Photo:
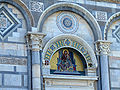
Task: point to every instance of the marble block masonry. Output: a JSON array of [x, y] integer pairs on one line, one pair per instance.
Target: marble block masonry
[[59, 44]]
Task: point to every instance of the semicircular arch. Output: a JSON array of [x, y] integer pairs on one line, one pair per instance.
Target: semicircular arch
[[23, 9], [70, 41], [73, 8], [110, 21]]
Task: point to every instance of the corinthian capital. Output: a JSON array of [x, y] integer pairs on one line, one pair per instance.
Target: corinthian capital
[[103, 47], [34, 40]]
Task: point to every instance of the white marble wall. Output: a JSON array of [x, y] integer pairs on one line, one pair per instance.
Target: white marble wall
[[51, 29], [69, 83], [114, 59], [13, 52]]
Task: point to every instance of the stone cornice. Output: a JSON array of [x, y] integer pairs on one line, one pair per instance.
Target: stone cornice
[[103, 47], [71, 77], [34, 41]]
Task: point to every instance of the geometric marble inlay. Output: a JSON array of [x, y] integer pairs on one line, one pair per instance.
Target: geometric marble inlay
[[67, 22], [101, 16], [36, 6], [3, 21], [13, 61], [116, 33], [8, 22]]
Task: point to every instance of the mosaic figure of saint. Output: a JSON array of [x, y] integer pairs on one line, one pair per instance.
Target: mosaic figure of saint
[[65, 61]]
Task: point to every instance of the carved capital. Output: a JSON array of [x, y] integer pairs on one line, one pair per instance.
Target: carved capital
[[34, 41], [103, 47]]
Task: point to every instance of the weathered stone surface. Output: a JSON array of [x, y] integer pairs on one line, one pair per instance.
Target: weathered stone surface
[[36, 82], [12, 80], [13, 89], [25, 80], [84, 31], [0, 79], [21, 68], [115, 79], [35, 68], [114, 62], [55, 83], [51, 29], [46, 70], [13, 61], [5, 67], [112, 1]]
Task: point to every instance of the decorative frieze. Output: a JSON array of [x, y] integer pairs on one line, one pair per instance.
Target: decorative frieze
[[34, 41], [13, 61], [103, 47]]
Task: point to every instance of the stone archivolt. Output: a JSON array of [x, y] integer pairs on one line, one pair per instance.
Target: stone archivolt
[[68, 43]]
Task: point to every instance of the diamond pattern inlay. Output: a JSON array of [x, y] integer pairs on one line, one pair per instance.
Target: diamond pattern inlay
[[8, 22], [3, 22], [116, 33]]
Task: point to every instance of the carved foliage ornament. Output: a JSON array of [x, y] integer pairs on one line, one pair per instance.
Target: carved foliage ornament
[[103, 47], [34, 41]]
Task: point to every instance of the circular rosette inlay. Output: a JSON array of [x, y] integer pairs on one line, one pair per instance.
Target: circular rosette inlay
[[67, 22]]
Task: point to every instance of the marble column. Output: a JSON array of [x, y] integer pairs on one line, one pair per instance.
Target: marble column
[[103, 48], [35, 43]]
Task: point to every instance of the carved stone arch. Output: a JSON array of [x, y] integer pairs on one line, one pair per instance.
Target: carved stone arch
[[23, 9], [66, 6], [81, 46], [115, 17]]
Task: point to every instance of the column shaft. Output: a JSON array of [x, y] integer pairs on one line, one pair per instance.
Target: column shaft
[[36, 70], [103, 49], [104, 72], [35, 44]]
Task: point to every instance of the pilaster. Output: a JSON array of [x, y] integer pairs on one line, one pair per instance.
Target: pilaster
[[103, 50], [34, 41]]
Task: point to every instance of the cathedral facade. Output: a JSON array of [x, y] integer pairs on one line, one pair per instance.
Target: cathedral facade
[[59, 45]]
